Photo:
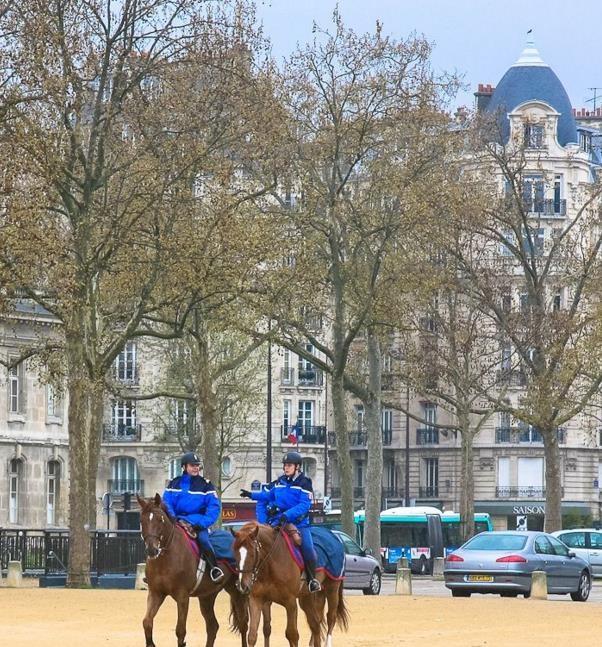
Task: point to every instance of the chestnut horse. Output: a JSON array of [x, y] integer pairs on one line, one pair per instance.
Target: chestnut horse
[[268, 573], [171, 570]]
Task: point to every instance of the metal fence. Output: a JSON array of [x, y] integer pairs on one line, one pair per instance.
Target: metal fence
[[47, 551]]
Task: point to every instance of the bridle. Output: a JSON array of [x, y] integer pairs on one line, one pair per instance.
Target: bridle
[[160, 547], [257, 545]]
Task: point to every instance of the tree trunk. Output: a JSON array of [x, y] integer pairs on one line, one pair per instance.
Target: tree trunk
[[339, 410], [374, 472], [86, 400], [553, 519], [207, 402], [466, 481]]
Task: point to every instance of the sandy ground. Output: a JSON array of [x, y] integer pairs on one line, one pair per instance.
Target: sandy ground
[[64, 618]]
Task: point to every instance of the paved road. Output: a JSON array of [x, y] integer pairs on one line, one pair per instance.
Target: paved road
[[428, 587]]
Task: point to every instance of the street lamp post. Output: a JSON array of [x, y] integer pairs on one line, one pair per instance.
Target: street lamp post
[[407, 470], [268, 462]]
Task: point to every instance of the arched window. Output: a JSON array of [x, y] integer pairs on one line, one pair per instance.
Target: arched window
[[53, 477], [126, 477], [227, 467], [14, 489]]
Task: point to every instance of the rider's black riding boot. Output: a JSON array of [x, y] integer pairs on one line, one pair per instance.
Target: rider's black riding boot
[[310, 573], [215, 572]]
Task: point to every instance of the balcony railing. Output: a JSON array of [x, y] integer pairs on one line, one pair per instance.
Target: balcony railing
[[512, 377], [119, 486], [427, 436], [311, 435], [547, 207], [301, 377], [359, 438], [387, 492], [522, 492], [517, 435], [121, 432], [428, 491]]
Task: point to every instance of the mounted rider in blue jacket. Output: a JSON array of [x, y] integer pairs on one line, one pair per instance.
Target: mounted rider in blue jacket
[[192, 499], [288, 500]]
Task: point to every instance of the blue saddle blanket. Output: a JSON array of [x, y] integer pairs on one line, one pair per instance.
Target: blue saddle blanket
[[222, 542], [331, 554]]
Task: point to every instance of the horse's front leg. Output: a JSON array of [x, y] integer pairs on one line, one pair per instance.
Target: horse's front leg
[[255, 607], [207, 604], [292, 633], [267, 623], [153, 601], [182, 601]]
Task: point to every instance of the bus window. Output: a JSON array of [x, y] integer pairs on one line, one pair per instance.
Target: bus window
[[481, 526]]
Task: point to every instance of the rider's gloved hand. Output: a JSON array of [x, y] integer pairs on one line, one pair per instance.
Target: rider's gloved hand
[[245, 494], [282, 520]]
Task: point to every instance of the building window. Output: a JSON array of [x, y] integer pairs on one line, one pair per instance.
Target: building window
[[585, 142], [174, 468], [286, 418], [52, 491], [386, 420], [14, 489], [308, 374], [306, 414], [359, 415], [126, 477], [534, 136], [557, 194], [125, 364], [53, 402], [533, 193], [506, 357], [557, 300], [16, 386], [287, 369], [358, 473], [429, 413], [124, 418], [431, 477], [227, 467]]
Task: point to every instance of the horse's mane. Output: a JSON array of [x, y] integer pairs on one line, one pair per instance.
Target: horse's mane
[[250, 531]]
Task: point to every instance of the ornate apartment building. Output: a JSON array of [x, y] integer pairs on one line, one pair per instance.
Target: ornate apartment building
[[139, 454]]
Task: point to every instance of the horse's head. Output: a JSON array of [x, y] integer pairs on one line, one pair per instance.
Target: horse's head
[[247, 551], [155, 525]]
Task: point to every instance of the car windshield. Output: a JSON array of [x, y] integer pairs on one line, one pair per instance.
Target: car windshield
[[489, 541]]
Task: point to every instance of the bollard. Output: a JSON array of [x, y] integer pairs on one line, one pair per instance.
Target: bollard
[[403, 581], [539, 585], [403, 563], [140, 584], [438, 563], [14, 576]]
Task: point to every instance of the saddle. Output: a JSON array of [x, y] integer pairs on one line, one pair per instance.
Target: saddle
[[188, 528], [293, 532]]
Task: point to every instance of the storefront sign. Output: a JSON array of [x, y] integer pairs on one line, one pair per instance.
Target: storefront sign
[[529, 509]]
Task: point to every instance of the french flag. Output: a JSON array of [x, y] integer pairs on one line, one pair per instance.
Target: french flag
[[294, 433]]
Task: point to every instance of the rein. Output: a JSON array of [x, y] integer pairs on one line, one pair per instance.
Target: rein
[[257, 568], [160, 548]]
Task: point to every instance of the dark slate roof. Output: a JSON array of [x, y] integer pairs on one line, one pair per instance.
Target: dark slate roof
[[530, 79]]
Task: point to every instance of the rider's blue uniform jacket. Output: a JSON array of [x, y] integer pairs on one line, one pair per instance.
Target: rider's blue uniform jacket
[[291, 497], [193, 499]]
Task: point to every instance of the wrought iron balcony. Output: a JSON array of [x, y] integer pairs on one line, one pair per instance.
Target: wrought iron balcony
[[310, 435], [310, 377], [121, 432], [427, 436], [359, 438], [119, 486], [428, 491], [511, 377], [548, 207], [522, 492], [521, 435]]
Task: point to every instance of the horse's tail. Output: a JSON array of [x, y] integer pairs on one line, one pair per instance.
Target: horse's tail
[[342, 611], [239, 610]]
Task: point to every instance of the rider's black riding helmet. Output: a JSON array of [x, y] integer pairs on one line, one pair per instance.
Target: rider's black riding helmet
[[190, 458], [292, 457]]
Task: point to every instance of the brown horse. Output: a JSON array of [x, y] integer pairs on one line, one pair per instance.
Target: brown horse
[[268, 573], [171, 570]]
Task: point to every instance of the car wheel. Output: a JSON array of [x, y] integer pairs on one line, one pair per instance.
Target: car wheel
[[527, 594], [583, 589], [459, 593], [423, 567], [375, 583]]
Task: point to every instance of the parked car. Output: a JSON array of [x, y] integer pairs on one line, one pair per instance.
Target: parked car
[[585, 542], [503, 561], [362, 571]]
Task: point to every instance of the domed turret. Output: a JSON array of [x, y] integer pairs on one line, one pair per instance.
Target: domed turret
[[531, 79]]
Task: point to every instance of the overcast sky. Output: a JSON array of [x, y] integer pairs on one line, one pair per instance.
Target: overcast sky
[[479, 39]]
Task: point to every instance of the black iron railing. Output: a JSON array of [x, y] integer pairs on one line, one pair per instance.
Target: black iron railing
[[521, 435], [427, 436], [524, 492], [359, 438], [121, 432], [119, 486], [310, 435], [428, 491]]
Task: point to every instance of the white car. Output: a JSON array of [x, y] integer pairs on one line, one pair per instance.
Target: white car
[[586, 543]]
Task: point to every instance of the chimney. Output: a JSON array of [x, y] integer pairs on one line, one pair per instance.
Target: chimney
[[483, 96]]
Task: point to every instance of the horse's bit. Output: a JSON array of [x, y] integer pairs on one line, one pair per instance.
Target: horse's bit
[[160, 548]]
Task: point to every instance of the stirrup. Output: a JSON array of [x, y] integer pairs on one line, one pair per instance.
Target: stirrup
[[216, 574], [314, 586]]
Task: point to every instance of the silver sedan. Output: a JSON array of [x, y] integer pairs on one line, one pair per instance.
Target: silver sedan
[[503, 561]]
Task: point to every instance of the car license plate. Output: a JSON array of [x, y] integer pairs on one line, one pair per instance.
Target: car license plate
[[479, 578]]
